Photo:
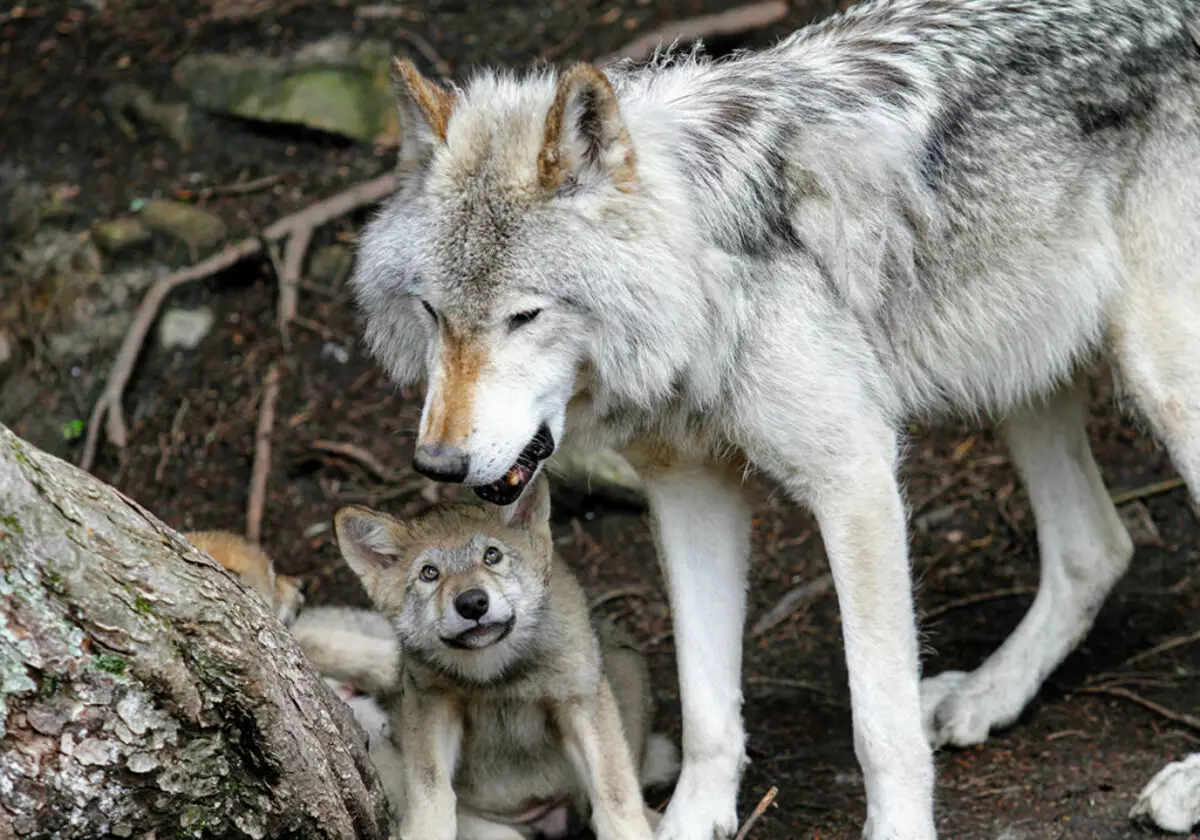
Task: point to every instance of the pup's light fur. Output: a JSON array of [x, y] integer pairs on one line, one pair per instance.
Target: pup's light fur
[[252, 565], [507, 716], [913, 208]]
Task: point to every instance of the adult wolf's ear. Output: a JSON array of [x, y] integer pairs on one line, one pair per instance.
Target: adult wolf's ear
[[425, 109], [371, 542], [585, 135]]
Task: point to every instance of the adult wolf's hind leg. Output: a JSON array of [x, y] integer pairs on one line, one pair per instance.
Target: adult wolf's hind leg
[[1084, 551]]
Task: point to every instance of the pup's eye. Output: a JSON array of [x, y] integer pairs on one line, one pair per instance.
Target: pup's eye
[[429, 574], [432, 312], [492, 556], [523, 318]]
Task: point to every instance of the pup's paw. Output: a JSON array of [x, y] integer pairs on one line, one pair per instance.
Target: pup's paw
[[1171, 800], [953, 713]]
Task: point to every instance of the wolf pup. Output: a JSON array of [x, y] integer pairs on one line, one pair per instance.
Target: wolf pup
[[912, 209], [254, 567], [509, 708]]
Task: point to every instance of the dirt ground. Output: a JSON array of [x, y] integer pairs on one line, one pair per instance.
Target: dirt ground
[[1070, 768]]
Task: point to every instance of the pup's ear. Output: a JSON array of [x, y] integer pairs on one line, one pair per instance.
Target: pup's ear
[[584, 133], [371, 542], [532, 510], [425, 109]]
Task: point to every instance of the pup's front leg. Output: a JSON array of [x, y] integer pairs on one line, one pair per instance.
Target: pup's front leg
[[596, 746], [861, 516], [703, 528], [429, 729]]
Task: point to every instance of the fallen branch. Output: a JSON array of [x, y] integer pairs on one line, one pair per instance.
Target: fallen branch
[[756, 814], [729, 22], [1170, 714], [108, 406], [360, 456], [289, 279], [792, 600], [262, 455], [617, 595], [1148, 490], [978, 598]]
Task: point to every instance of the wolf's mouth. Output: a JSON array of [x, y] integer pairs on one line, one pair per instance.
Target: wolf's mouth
[[482, 636], [508, 488]]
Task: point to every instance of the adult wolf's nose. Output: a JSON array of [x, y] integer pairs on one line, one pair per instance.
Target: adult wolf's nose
[[472, 604], [441, 463]]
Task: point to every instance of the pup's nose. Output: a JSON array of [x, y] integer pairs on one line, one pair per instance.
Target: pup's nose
[[471, 604], [441, 463]]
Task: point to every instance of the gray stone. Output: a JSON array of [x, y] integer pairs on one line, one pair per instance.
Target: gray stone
[[335, 85], [184, 328]]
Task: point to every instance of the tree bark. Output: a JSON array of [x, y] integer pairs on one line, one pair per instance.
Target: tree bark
[[144, 692]]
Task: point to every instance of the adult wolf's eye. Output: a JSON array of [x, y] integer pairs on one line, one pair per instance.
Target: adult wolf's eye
[[429, 574], [432, 312], [492, 556], [523, 318]]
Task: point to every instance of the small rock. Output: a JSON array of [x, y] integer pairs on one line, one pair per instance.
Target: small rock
[[331, 264], [184, 328], [600, 474], [199, 229], [171, 118], [116, 235]]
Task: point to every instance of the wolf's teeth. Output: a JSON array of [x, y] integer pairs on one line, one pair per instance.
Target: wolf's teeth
[[513, 477]]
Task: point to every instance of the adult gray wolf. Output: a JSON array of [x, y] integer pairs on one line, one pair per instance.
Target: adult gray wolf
[[509, 710], [913, 209]]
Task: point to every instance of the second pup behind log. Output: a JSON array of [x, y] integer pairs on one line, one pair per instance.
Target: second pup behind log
[[510, 709]]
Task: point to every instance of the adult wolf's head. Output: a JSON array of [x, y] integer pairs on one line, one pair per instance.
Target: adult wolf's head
[[520, 215]]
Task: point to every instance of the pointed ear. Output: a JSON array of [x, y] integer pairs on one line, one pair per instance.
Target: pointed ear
[[585, 133], [425, 109], [371, 542], [532, 510]]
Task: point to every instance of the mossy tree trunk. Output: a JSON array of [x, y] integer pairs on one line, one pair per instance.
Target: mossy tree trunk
[[145, 693]]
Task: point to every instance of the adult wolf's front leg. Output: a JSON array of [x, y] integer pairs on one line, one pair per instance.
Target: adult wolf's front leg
[[861, 517], [702, 523]]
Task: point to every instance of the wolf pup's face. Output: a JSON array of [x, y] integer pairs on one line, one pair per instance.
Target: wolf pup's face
[[463, 585], [480, 275]]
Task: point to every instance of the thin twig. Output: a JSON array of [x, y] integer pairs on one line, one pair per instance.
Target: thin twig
[[1162, 647], [1148, 490], [234, 188], [108, 406], [1170, 714], [792, 600], [262, 455], [756, 814], [379, 12], [729, 22], [360, 456], [978, 598]]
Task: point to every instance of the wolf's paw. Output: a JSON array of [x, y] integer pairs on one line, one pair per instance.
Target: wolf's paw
[[957, 710], [1171, 800], [703, 807], [901, 826]]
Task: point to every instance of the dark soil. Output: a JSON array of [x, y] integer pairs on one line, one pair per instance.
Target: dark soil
[[1072, 766]]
